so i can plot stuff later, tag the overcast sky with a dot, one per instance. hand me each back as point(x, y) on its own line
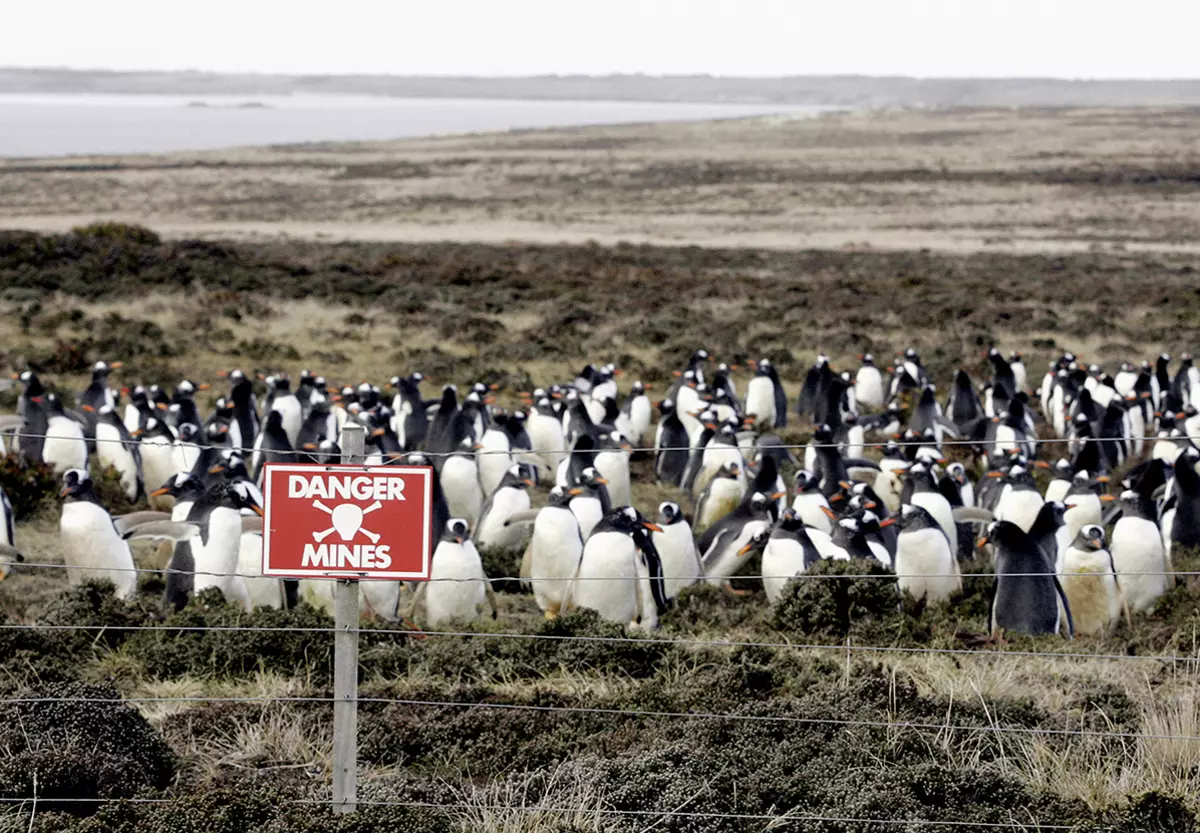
point(1060, 38)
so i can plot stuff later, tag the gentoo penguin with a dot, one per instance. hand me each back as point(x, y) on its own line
point(554, 551)
point(1084, 506)
point(510, 498)
point(91, 544)
point(671, 446)
point(789, 552)
point(1090, 583)
point(261, 591)
point(493, 455)
point(868, 384)
point(760, 395)
point(926, 494)
point(545, 433)
point(963, 407)
point(1049, 532)
point(727, 546)
point(1020, 375)
point(590, 501)
point(1060, 485)
point(35, 417)
point(636, 411)
point(767, 367)
point(1020, 501)
point(1184, 529)
point(8, 540)
point(812, 392)
point(138, 410)
point(441, 510)
point(620, 574)
point(677, 550)
point(1138, 555)
point(245, 409)
point(186, 451)
point(288, 407)
point(117, 448)
point(1028, 593)
point(412, 420)
point(183, 408)
point(207, 544)
point(65, 447)
point(96, 396)
point(458, 587)
point(926, 567)
point(271, 445)
point(722, 495)
point(460, 483)
point(612, 461)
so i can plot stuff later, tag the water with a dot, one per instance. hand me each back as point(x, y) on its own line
point(63, 125)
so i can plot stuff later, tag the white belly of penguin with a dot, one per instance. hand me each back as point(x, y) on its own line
point(868, 388)
point(556, 548)
point(680, 562)
point(65, 447)
point(1140, 558)
point(1091, 590)
point(783, 559)
point(217, 559)
point(91, 544)
point(609, 577)
point(289, 411)
point(261, 590)
point(110, 451)
point(810, 506)
point(546, 437)
point(493, 459)
point(639, 420)
point(613, 465)
point(1056, 490)
point(158, 461)
point(492, 531)
point(937, 505)
point(460, 483)
point(1084, 510)
point(1020, 507)
point(596, 410)
point(723, 498)
point(458, 588)
point(926, 566)
point(185, 456)
point(588, 512)
point(715, 456)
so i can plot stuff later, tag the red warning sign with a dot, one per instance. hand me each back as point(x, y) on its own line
point(347, 521)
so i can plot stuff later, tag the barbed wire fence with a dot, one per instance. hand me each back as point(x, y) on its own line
point(784, 817)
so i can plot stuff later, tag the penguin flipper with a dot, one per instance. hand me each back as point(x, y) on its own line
point(948, 426)
point(862, 473)
point(526, 564)
point(125, 523)
point(158, 530)
point(972, 514)
point(1062, 594)
point(10, 422)
point(526, 517)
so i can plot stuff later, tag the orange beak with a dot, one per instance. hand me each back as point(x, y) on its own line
point(652, 526)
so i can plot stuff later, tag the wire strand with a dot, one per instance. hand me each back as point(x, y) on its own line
point(634, 713)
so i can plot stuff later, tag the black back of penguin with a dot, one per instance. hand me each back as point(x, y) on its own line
point(1028, 592)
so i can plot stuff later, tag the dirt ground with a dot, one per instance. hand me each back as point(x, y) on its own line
point(1009, 180)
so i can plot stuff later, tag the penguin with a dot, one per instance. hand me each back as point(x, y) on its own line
point(1020, 374)
point(554, 552)
point(590, 501)
point(1028, 593)
point(441, 509)
point(926, 566)
point(963, 407)
point(183, 408)
point(457, 588)
point(287, 405)
point(186, 451)
point(1049, 531)
point(245, 409)
point(65, 447)
point(1004, 382)
point(138, 410)
point(97, 395)
point(620, 574)
point(781, 408)
point(493, 455)
point(1089, 581)
point(271, 446)
point(1138, 555)
point(612, 461)
point(813, 390)
point(91, 544)
point(1084, 506)
point(760, 395)
point(722, 495)
point(868, 384)
point(8, 536)
point(728, 545)
point(319, 425)
point(32, 407)
point(461, 483)
point(925, 494)
point(510, 497)
point(671, 446)
point(1019, 500)
point(412, 415)
point(545, 433)
point(874, 529)
point(789, 552)
point(677, 550)
point(634, 421)
point(117, 448)
point(1063, 477)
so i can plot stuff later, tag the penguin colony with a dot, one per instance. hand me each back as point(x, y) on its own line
point(1073, 558)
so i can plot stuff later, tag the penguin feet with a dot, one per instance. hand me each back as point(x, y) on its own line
point(550, 614)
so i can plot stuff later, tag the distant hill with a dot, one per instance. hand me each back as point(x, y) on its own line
point(846, 90)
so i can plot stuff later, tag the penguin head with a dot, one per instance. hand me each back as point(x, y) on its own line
point(638, 389)
point(630, 521)
point(666, 407)
point(77, 483)
point(756, 544)
point(188, 432)
point(729, 469)
point(806, 481)
point(26, 377)
point(868, 360)
point(958, 473)
point(669, 513)
point(1062, 468)
point(101, 369)
point(236, 376)
point(558, 497)
point(591, 478)
point(455, 532)
point(245, 495)
point(760, 504)
point(1090, 537)
point(914, 518)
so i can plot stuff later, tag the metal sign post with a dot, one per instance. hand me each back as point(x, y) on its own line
point(346, 523)
point(345, 661)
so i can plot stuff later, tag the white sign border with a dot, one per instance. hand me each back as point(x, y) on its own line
point(423, 471)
